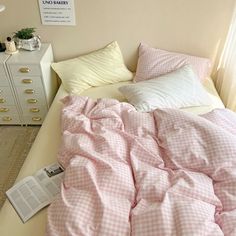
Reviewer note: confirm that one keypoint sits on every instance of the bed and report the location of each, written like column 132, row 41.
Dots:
column 45, row 149
column 50, row 133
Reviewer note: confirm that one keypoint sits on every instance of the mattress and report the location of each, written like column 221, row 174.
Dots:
column 44, row 151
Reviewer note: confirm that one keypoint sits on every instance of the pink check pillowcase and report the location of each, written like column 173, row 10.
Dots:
column 154, row 62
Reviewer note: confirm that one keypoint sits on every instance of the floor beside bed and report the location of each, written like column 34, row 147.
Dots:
column 15, row 143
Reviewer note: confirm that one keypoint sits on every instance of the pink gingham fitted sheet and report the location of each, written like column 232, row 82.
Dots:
column 127, row 173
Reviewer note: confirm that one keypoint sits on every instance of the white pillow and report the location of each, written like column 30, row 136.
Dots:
column 177, row 89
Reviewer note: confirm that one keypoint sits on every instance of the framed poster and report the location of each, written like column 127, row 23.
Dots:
column 59, row 12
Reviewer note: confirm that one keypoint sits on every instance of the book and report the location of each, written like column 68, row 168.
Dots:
column 33, row 193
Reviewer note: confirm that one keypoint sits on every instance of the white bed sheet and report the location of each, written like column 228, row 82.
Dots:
column 44, row 150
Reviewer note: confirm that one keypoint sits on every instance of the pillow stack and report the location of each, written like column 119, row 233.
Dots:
column 168, row 80
column 163, row 79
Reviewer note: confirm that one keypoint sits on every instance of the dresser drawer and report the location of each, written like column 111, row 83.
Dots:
column 9, row 119
column 2, row 70
column 34, row 111
column 30, row 91
column 33, row 120
column 22, row 69
column 8, row 110
column 34, row 100
column 27, row 81
column 3, row 77
column 6, row 96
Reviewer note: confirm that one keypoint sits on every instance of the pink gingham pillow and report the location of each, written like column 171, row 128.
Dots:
column 154, row 62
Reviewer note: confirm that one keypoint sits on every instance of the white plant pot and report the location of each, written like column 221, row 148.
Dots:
column 29, row 44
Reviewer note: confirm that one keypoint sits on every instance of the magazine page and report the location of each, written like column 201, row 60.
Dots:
column 50, row 178
column 33, row 193
column 27, row 197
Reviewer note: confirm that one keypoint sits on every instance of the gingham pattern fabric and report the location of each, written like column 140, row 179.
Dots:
column 224, row 118
column 127, row 173
column 154, row 62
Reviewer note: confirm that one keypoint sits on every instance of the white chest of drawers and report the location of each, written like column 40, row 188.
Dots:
column 9, row 113
column 32, row 85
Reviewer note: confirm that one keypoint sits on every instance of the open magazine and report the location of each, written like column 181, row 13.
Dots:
column 33, row 193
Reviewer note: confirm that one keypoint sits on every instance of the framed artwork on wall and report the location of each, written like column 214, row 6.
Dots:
column 59, row 12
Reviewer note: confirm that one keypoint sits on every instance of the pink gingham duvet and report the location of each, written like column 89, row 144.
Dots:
column 129, row 173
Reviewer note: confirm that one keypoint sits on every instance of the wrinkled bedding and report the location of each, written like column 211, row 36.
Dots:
column 167, row 172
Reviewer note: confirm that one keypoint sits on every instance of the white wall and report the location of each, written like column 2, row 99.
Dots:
column 197, row 27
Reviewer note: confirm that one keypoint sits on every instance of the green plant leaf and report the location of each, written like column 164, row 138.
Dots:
column 25, row 33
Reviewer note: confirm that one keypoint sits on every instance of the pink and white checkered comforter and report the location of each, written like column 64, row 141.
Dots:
column 129, row 173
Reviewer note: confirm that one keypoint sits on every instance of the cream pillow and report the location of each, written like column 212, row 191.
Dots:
column 104, row 66
column 177, row 89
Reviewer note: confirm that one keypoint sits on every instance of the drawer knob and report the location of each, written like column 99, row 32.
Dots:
column 2, row 100
column 29, row 91
column 34, row 110
column 4, row 109
column 24, row 70
column 6, row 118
column 32, row 100
column 27, row 81
column 36, row 118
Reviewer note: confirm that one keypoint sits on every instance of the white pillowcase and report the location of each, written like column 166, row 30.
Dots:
column 177, row 89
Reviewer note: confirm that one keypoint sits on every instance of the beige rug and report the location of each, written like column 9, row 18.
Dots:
column 15, row 143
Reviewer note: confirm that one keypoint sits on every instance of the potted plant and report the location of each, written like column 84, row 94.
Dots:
column 26, row 39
